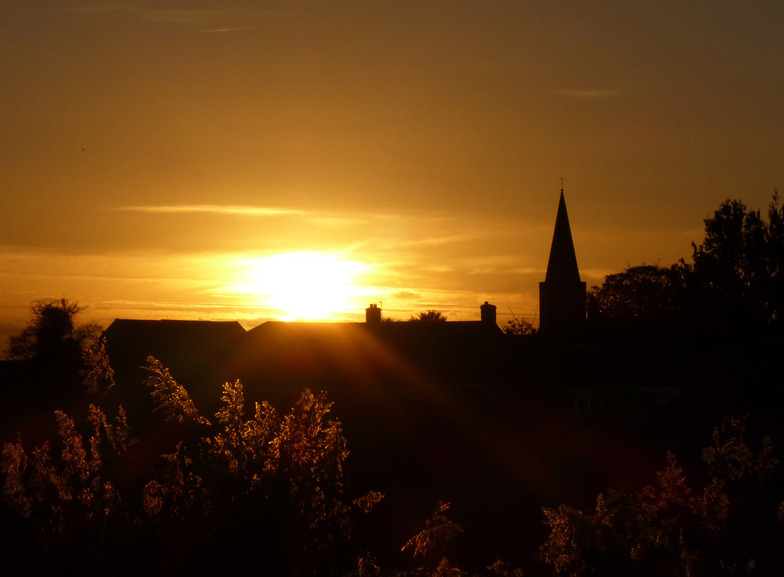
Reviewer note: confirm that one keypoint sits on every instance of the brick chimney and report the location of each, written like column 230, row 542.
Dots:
column 373, row 314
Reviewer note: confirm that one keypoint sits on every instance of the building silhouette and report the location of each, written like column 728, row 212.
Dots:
column 346, row 356
column 562, row 296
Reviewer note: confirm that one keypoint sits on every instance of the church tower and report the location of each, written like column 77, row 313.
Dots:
column 562, row 294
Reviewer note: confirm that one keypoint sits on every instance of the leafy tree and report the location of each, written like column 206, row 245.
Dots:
column 738, row 267
column 736, row 277
column 54, row 345
column 51, row 334
column 642, row 292
column 429, row 316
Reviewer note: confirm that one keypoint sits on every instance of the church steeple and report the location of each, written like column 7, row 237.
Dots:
column 562, row 266
column 562, row 294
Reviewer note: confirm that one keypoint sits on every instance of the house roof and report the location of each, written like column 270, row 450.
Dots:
column 173, row 334
column 411, row 338
column 360, row 351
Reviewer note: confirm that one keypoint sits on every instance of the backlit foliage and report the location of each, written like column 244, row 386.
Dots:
column 668, row 528
column 171, row 399
column 98, row 375
column 230, row 490
column 287, row 467
column 67, row 493
column 432, row 542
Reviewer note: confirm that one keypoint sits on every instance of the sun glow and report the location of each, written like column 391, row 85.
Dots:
column 303, row 285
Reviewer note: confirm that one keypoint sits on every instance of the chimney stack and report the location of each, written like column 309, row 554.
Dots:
column 488, row 314
column 373, row 314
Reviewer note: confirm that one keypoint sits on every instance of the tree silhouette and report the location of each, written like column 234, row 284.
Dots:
column 739, row 266
column 53, row 343
column 518, row 327
column 51, row 332
column 736, row 278
column 639, row 292
column 429, row 316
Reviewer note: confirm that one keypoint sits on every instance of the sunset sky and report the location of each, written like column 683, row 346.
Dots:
column 241, row 159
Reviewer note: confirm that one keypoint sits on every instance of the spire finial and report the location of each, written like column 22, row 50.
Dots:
column 562, row 185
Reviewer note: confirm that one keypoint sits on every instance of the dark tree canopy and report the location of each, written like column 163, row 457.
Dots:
column 429, row 316
column 639, row 292
column 51, row 333
column 735, row 280
column 53, row 344
column 738, row 266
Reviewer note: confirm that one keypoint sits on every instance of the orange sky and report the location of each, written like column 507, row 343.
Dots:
column 155, row 155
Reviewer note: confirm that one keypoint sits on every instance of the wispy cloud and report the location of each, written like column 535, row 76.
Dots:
column 340, row 221
column 432, row 241
column 227, row 29
column 229, row 209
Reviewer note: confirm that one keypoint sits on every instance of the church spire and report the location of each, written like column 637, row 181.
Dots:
column 562, row 295
column 562, row 266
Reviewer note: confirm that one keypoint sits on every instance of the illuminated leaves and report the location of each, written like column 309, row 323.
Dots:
column 98, row 375
column 268, row 482
column 14, row 466
column 367, row 502
column 69, row 494
column 260, row 468
column 731, row 459
column 431, row 543
column 666, row 528
column 179, row 492
column 171, row 399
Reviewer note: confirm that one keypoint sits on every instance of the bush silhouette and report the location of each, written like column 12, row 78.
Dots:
column 230, row 493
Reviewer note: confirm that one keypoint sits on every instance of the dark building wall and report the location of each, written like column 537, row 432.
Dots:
column 561, row 306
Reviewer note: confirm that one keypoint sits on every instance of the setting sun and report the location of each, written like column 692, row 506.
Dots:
column 306, row 285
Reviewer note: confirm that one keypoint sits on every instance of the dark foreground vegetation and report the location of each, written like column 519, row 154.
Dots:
column 645, row 445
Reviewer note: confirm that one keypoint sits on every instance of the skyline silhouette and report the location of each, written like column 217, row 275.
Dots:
column 416, row 145
column 288, row 288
